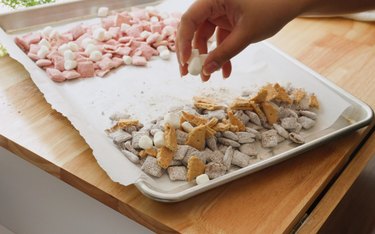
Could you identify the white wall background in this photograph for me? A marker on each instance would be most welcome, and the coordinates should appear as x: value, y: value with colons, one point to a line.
x: 34, y: 202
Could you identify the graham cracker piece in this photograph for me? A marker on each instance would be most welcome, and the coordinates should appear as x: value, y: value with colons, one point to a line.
x: 197, y: 137
x: 195, y: 120
x: 221, y: 127
x: 241, y: 104
x: 151, y: 151
x: 123, y: 123
x: 206, y: 103
x: 259, y: 112
x: 170, y: 137
x: 282, y: 94
x: 236, y: 121
x: 271, y: 112
x: 210, y: 132
x: 142, y: 154
x: 299, y: 94
x: 271, y: 92
x: 314, y: 103
x: 195, y: 168
x: 164, y: 157
x: 261, y: 96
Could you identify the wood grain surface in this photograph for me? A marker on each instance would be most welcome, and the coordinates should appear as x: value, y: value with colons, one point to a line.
x: 272, y: 200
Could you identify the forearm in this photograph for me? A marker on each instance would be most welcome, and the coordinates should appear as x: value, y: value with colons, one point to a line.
x: 317, y: 7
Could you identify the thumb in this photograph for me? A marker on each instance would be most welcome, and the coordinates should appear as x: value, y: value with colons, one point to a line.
x: 233, y: 44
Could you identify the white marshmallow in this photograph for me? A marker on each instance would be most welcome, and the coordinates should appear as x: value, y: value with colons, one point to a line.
x: 103, y: 11
x: 202, y: 179
x: 63, y: 48
x: 45, y: 43
x: 145, y: 142
x: 107, y: 36
x: 99, y: 34
x: 70, y: 65
x: 150, y: 8
x: 96, y: 55
x: 167, y: 31
x: 87, y: 41
x: 73, y: 46
x: 154, y: 19
x: 159, y: 139
x: 54, y: 34
x: 90, y: 48
x: 46, y: 32
x: 161, y: 48
x: 187, y: 126
x: 165, y: 54
x: 42, y: 52
x: 127, y: 59
x: 195, y: 66
x: 69, y: 55
x: 194, y: 53
x: 145, y: 34
x: 212, y: 46
x: 124, y: 27
x: 173, y: 119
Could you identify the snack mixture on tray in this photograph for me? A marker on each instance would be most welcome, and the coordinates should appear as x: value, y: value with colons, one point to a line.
x: 208, y: 139
x: 125, y: 38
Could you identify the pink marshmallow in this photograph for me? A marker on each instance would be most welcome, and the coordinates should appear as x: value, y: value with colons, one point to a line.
x: 55, y: 75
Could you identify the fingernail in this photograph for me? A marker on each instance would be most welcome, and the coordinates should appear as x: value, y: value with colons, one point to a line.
x: 210, y: 68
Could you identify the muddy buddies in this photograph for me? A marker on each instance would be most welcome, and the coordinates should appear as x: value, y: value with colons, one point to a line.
x: 211, y: 138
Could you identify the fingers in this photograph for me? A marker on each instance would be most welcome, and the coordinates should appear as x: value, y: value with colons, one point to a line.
x: 233, y: 43
x: 202, y: 35
x: 198, y: 12
x: 221, y: 34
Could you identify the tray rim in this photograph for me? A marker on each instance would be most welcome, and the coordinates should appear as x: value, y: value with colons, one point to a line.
x: 147, y: 190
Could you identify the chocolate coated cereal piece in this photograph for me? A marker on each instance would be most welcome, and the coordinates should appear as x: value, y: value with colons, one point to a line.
x: 222, y: 148
x: 269, y: 139
x: 136, y: 137
x: 306, y: 122
x: 296, y: 138
x: 289, y: 123
x: 228, y: 156
x: 309, y: 114
x: 177, y: 173
x: 281, y: 131
x: 211, y: 143
x: 120, y: 136
x: 218, y: 114
x: 230, y: 135
x: 129, y: 146
x: 132, y: 157
x: 181, y: 152
x: 245, y: 137
x: 216, y: 156
x: 214, y: 170
x: 298, y: 128
x: 228, y: 142
x: 181, y: 137
x: 255, y: 132
x: 151, y: 167
x: 240, y: 159
x: 242, y: 116
x: 254, y: 118
x: 249, y: 149
x: 175, y: 163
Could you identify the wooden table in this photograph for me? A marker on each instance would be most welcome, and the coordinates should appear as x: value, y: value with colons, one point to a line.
x: 276, y: 199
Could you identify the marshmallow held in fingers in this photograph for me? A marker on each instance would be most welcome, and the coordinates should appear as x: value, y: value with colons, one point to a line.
x: 196, y: 62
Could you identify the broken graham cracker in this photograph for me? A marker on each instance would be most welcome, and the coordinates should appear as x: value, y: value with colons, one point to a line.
x: 282, y: 94
x: 271, y: 92
x: 123, y: 123
x: 170, y: 137
x: 241, y: 104
x: 206, y: 103
x: 261, y: 96
x: 194, y: 120
x: 314, y: 103
x: 195, y: 168
x: 210, y: 132
x: 271, y: 112
x: 164, y: 157
x: 298, y: 94
x: 197, y: 137
x: 236, y: 121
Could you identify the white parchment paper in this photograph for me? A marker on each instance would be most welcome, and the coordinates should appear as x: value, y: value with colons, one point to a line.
x: 149, y: 92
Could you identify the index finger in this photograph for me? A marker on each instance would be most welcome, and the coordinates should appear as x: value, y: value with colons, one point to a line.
x: 197, y: 13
